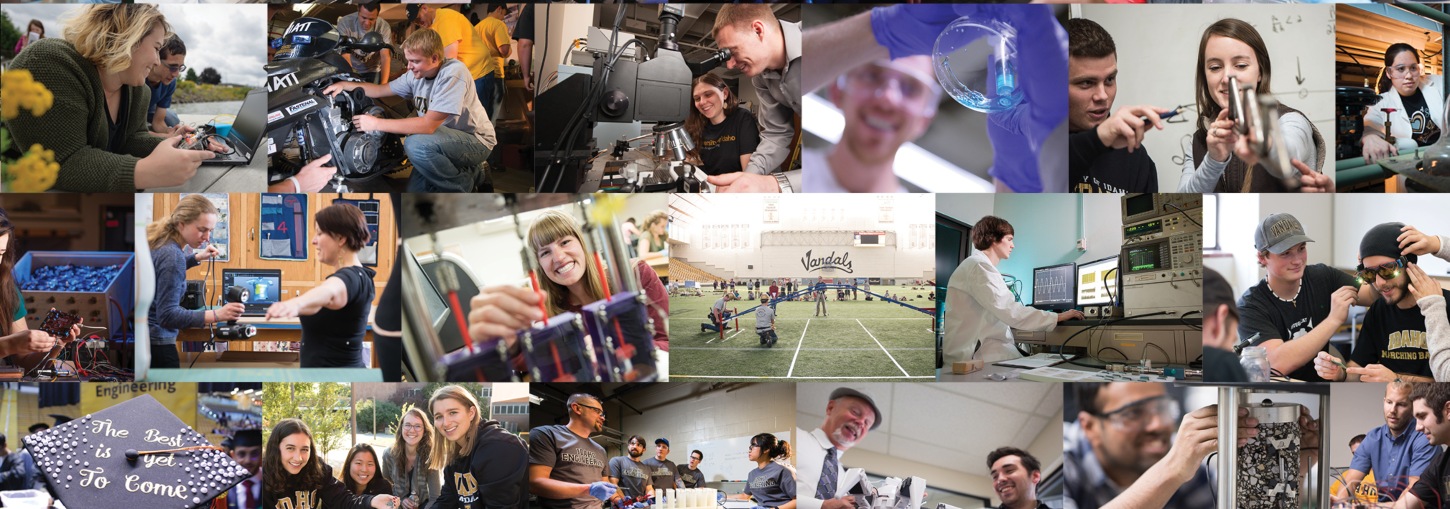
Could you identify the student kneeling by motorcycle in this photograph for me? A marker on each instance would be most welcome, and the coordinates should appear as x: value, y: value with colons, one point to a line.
x: 451, y: 137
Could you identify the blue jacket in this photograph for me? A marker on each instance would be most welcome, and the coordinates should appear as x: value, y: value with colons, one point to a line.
x: 166, y: 315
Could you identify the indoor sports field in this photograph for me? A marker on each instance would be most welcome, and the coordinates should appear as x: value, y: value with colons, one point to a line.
x: 859, y: 340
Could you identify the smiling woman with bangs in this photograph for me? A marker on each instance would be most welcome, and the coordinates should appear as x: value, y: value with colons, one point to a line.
x: 571, y: 281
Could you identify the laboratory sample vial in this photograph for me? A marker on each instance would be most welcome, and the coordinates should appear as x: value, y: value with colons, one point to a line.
x: 975, y: 61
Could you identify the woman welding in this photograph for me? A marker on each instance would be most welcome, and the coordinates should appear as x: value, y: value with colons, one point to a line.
x: 334, y: 315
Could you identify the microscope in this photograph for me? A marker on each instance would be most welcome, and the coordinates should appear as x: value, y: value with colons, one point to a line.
x: 623, y: 89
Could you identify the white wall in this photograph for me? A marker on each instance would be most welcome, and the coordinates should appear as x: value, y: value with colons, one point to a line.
x: 965, y: 207
x: 685, y: 414
x: 1238, y: 216
x: 1355, y: 214
x: 560, y: 25
x: 743, y: 218
x: 1354, y: 409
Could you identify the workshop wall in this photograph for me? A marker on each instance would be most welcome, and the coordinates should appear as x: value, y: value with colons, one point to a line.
x: 1048, y: 227
x: 297, y: 276
x: 1355, y: 214
x: 1355, y: 409
x: 688, y: 414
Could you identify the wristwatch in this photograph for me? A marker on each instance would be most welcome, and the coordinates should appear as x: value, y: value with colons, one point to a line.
x: 784, y: 182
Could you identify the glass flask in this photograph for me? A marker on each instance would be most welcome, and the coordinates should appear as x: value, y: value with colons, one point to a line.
x: 975, y: 60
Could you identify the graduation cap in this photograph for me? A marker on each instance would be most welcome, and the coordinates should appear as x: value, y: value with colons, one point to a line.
x: 134, y: 454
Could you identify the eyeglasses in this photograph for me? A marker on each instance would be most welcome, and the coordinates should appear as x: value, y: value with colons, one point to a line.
x: 1138, y: 414
x: 1387, y: 271
x: 596, y: 409
x: 176, y: 68
x: 412, y: 426
x: 875, y: 80
x: 1405, y: 70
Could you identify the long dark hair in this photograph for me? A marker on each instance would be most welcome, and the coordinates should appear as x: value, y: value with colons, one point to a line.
x: 695, y: 123
x: 1391, y: 52
x: 770, y: 446
x: 9, y: 301
x: 352, y: 486
x: 275, y: 478
x: 1240, y: 31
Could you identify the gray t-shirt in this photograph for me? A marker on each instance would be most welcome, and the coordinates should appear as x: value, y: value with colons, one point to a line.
x: 575, y: 459
x: 691, y: 477
x: 763, y: 316
x: 451, y: 92
x: 662, y: 474
x: 363, y: 61
x: 631, y: 475
x: 719, y: 306
x: 771, y: 485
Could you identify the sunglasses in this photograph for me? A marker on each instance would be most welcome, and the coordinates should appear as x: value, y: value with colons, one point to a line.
x: 1387, y: 271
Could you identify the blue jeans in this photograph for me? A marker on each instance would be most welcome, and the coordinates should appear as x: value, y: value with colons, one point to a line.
x: 171, y: 118
x: 486, y: 87
x: 446, y: 161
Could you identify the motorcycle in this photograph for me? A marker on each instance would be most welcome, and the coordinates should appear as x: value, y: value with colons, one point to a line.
x: 308, y: 60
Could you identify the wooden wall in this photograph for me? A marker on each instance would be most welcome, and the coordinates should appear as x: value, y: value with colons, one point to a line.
x: 297, y: 276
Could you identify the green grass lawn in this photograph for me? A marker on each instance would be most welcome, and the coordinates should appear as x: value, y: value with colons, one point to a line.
x: 857, y: 340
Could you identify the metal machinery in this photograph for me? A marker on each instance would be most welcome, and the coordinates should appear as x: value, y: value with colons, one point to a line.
x: 1265, y: 473
x: 609, y: 340
x: 1258, y: 118
x: 1162, y: 254
x: 622, y: 89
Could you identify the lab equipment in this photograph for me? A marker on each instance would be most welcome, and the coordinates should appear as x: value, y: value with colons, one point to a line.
x: 1255, y: 360
x: 975, y: 60
x: 1052, y: 287
x: 1162, y: 254
x: 1257, y: 117
x: 1097, y: 286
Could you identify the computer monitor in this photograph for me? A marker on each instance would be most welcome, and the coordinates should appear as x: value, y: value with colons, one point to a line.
x: 264, y: 287
x: 1091, y: 290
x: 1052, y: 287
x: 437, y: 308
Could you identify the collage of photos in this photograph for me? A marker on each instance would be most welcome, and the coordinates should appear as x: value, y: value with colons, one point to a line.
x: 411, y: 254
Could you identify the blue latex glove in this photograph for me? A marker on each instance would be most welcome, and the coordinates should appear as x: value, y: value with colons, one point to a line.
x: 602, y: 490
x: 760, y: 507
x: 910, y: 29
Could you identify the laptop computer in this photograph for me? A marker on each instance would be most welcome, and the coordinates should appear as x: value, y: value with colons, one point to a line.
x: 264, y: 287
x: 247, y: 130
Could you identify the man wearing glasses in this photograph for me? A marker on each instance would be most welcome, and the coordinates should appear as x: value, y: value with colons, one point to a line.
x: 1121, y: 452
x: 850, y: 415
x: 162, y: 81
x: 1297, y: 307
x: 1412, y: 105
x: 690, y: 475
x: 1395, y: 341
x: 630, y: 474
x: 1394, y: 452
x: 885, y: 104
x: 566, y: 467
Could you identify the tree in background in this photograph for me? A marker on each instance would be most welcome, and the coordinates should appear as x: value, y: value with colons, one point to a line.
x: 475, y: 388
x: 210, y: 76
x: 191, y: 75
x: 323, y: 406
x: 388, y: 414
x: 9, y: 34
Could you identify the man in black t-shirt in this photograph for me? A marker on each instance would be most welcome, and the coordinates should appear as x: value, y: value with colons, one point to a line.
x: 1429, y: 402
x: 1394, y: 342
x: 1297, y: 307
x: 1105, y: 151
x: 1220, y: 331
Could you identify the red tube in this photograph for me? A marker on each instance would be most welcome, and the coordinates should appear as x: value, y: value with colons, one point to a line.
x: 458, y: 316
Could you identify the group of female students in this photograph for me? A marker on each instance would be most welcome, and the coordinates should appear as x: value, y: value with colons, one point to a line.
x: 333, y: 314
x: 482, y: 464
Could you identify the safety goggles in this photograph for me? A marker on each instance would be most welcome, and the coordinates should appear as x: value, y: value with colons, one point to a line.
x: 877, y: 79
x: 1138, y: 414
x: 1387, y: 271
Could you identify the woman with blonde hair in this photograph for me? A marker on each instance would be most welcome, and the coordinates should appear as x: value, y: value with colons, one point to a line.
x: 334, y: 315
x: 406, y: 463
x: 97, y: 125
x: 179, y: 242
x: 570, y: 280
x: 725, y: 134
x: 483, y: 464
x: 653, y: 238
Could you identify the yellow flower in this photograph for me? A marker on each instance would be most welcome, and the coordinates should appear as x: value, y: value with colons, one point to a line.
x: 34, y: 172
x: 20, y: 90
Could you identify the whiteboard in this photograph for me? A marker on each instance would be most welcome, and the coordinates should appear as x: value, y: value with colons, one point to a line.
x: 1158, y: 50
x: 727, y: 459
x: 1355, y: 214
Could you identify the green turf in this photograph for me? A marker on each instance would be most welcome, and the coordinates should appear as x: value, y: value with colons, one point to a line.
x: 853, y: 340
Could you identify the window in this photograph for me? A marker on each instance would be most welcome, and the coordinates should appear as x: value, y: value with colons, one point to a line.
x: 1210, y: 222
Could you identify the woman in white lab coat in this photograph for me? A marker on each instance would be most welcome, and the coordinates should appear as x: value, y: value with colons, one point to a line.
x: 980, y: 308
x: 1404, y: 86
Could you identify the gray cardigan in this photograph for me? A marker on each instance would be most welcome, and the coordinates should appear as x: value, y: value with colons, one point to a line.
x: 428, y: 483
x: 167, y: 316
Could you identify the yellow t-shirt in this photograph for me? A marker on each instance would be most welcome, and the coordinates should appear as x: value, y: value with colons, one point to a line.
x: 493, y: 29
x: 1367, y: 491
x: 454, y: 27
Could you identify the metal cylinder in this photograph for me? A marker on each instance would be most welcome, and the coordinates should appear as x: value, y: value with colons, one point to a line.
x: 1268, y: 466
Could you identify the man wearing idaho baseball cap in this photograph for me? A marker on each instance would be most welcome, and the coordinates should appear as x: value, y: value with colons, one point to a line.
x: 1402, y: 326
x: 850, y: 415
x: 1294, y: 310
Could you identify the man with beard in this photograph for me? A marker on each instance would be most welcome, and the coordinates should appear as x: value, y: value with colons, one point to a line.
x: 850, y: 415
x: 629, y: 474
x: 1120, y: 454
x: 1429, y: 404
x: 1394, y: 342
x: 566, y: 467
x: 1015, y: 475
x: 661, y: 470
x: 1296, y: 308
x: 1391, y: 451
x: 885, y: 104
x: 690, y: 475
